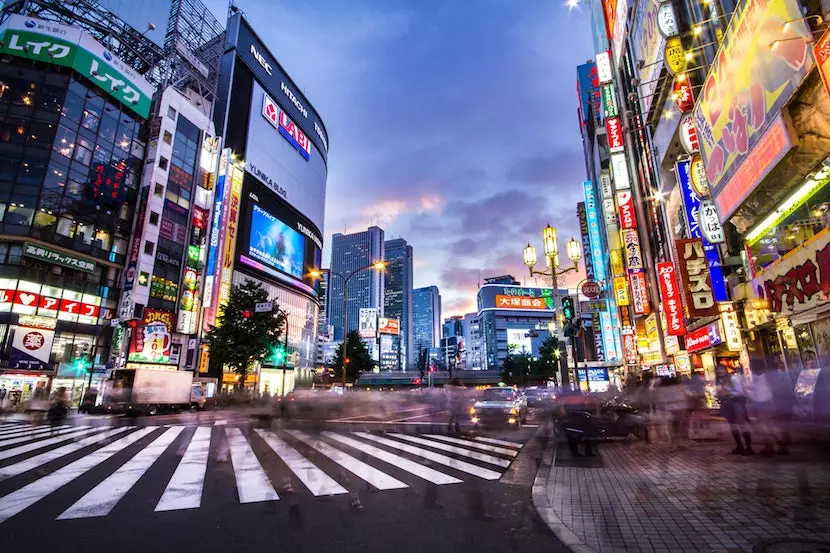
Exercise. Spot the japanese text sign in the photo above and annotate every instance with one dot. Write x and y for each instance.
(639, 294)
(625, 202)
(670, 294)
(694, 273)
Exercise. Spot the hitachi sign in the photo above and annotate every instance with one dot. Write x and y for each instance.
(294, 100)
(261, 59)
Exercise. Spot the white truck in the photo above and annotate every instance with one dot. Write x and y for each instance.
(149, 391)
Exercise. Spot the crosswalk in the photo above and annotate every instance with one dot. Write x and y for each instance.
(37, 461)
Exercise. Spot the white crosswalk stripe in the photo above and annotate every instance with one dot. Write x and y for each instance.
(317, 481)
(37, 490)
(451, 462)
(357, 467)
(491, 459)
(331, 468)
(184, 491)
(12, 434)
(39, 436)
(105, 495)
(498, 442)
(252, 483)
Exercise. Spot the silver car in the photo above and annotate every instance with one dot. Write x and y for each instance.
(499, 406)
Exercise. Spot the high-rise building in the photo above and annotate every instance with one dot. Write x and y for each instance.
(397, 299)
(472, 341)
(426, 319)
(323, 291)
(350, 253)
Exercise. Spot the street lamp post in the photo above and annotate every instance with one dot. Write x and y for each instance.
(377, 265)
(551, 245)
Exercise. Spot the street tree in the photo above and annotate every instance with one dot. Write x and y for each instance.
(242, 336)
(358, 359)
(545, 367)
(516, 366)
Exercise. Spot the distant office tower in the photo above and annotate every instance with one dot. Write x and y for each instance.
(350, 253)
(397, 299)
(472, 341)
(323, 294)
(426, 319)
(453, 326)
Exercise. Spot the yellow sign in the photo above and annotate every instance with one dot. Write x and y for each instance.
(204, 357)
(237, 173)
(675, 55)
(621, 291)
(617, 268)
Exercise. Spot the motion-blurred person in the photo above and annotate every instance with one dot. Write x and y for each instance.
(3, 393)
(763, 409)
(732, 396)
(671, 397)
(58, 410)
(456, 405)
(783, 399)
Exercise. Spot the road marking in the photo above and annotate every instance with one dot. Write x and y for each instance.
(103, 497)
(373, 476)
(318, 482)
(184, 490)
(252, 484)
(40, 435)
(483, 457)
(37, 490)
(62, 437)
(474, 445)
(419, 470)
(49, 456)
(419, 416)
(220, 423)
(463, 466)
(12, 434)
(498, 442)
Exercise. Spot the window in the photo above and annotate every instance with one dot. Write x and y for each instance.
(103, 239)
(163, 163)
(19, 215)
(66, 227)
(85, 232)
(168, 138)
(159, 190)
(44, 219)
(144, 278)
(154, 218)
(171, 113)
(148, 247)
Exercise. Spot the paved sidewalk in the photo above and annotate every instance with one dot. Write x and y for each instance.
(652, 498)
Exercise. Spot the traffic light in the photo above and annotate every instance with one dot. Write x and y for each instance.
(568, 307)
(246, 314)
(279, 354)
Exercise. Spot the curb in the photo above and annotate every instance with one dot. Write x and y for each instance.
(545, 509)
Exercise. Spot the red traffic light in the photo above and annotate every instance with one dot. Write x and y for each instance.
(132, 323)
(246, 314)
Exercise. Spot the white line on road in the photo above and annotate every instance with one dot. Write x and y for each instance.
(419, 470)
(498, 442)
(483, 457)
(252, 484)
(62, 437)
(370, 474)
(474, 445)
(49, 456)
(29, 432)
(457, 464)
(420, 416)
(318, 482)
(103, 497)
(37, 490)
(184, 490)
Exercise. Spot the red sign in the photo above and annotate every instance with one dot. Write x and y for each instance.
(613, 128)
(697, 282)
(698, 339)
(688, 134)
(670, 294)
(630, 348)
(270, 110)
(516, 302)
(389, 326)
(683, 96)
(822, 51)
(639, 294)
(625, 202)
(30, 302)
(590, 289)
(200, 217)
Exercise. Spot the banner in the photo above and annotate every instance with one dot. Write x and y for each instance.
(633, 254)
(592, 213)
(32, 343)
(151, 342)
(368, 322)
(621, 291)
(625, 202)
(639, 294)
(670, 294)
(389, 326)
(760, 65)
(587, 259)
(694, 274)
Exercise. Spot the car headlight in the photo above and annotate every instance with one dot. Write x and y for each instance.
(472, 410)
(513, 411)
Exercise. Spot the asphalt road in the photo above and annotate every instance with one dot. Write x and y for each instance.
(220, 481)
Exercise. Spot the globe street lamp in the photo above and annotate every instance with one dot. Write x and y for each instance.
(378, 266)
(551, 248)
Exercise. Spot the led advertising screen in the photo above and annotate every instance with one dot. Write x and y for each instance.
(275, 243)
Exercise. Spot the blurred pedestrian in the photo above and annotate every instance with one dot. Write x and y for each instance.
(783, 400)
(58, 410)
(456, 405)
(732, 396)
(674, 404)
(763, 409)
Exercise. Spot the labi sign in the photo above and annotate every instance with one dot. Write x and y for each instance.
(48, 42)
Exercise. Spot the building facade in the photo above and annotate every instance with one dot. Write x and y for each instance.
(426, 319)
(397, 299)
(473, 342)
(351, 253)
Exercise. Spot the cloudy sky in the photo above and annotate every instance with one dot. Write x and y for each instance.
(451, 123)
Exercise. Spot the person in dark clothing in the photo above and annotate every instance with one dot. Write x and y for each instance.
(783, 399)
(732, 396)
(58, 410)
(456, 405)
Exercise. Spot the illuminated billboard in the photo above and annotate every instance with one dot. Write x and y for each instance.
(522, 298)
(274, 243)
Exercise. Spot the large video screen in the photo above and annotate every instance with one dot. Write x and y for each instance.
(275, 244)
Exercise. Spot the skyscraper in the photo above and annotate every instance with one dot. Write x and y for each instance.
(323, 295)
(397, 299)
(349, 253)
(426, 319)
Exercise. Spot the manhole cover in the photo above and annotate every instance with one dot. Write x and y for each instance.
(792, 546)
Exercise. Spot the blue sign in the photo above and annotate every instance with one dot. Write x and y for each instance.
(599, 374)
(715, 336)
(691, 206)
(597, 248)
(590, 96)
(608, 333)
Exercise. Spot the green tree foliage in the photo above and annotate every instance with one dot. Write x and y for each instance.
(242, 336)
(358, 358)
(547, 364)
(523, 369)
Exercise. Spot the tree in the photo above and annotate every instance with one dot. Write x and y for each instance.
(549, 353)
(358, 359)
(516, 366)
(242, 336)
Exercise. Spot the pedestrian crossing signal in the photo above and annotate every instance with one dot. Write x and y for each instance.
(568, 307)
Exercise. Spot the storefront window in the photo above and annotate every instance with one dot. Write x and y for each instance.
(44, 219)
(17, 215)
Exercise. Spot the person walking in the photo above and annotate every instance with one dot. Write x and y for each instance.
(456, 406)
(783, 403)
(732, 396)
(57, 410)
(763, 409)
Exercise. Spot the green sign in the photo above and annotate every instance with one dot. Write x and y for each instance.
(49, 255)
(49, 42)
(609, 101)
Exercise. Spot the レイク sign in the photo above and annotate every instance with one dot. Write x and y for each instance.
(670, 294)
(694, 272)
